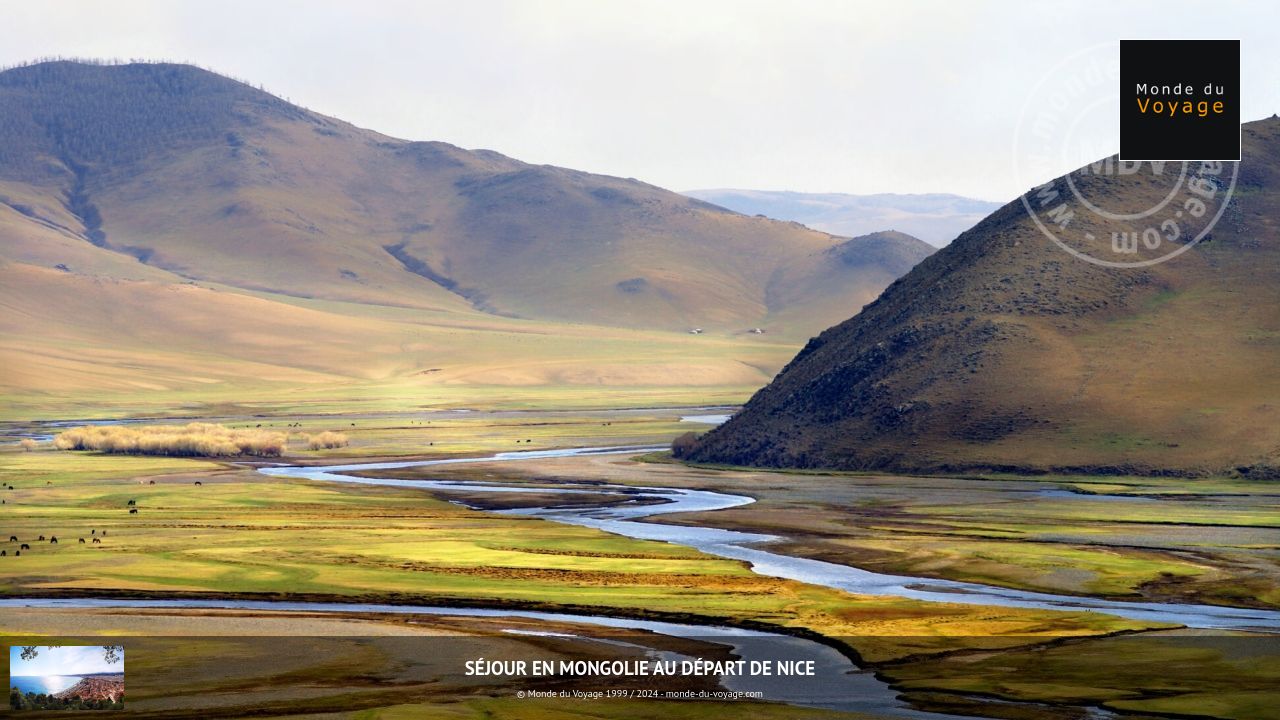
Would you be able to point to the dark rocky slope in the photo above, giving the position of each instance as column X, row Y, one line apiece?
column 1003, row 351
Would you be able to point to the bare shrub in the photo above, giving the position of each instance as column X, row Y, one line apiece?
column 191, row 440
column 27, row 444
column 681, row 446
column 327, row 441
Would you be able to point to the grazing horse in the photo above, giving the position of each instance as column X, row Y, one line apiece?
column 199, row 483
column 133, row 502
column 13, row 538
column 81, row 541
column 93, row 532
column 41, row 538
column 53, row 540
column 24, row 546
column 133, row 511
column 104, row 533
column 3, row 553
column 16, row 553
column 96, row 541
column 151, row 482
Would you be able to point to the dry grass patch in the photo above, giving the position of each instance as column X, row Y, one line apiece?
column 327, row 441
column 191, row 440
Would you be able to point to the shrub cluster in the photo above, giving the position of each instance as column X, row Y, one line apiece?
column 326, row 441
column 191, row 440
column 683, row 445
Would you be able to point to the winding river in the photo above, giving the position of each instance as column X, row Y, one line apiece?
column 625, row 519
column 838, row 684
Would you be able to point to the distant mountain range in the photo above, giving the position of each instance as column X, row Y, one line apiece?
column 935, row 218
column 1004, row 352
column 165, row 206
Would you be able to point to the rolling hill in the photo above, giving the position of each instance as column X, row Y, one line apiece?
column 1003, row 352
column 936, row 218
column 206, row 178
column 163, row 227
column 849, row 270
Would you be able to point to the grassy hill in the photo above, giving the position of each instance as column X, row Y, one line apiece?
column 74, row 345
column 166, row 229
column 855, row 271
column 1002, row 351
column 209, row 179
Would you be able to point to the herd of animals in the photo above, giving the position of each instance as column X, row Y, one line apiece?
column 53, row 539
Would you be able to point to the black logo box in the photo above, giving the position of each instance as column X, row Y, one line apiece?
column 1179, row 65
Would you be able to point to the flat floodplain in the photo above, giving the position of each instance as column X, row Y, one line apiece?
column 242, row 534
column 1213, row 540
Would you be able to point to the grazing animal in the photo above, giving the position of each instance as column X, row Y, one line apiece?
column 81, row 541
column 24, row 546
column 13, row 538
column 104, row 533
column 3, row 553
column 10, row 487
column 199, row 483
column 48, row 482
column 133, row 511
column 53, row 540
column 96, row 541
column 93, row 532
column 133, row 502
column 151, row 482
column 41, row 538
column 16, row 553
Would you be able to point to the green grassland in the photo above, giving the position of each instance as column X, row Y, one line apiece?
column 240, row 533
column 436, row 432
column 1215, row 540
column 1181, row 674
column 243, row 534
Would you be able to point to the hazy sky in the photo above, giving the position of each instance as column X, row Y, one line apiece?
column 65, row 660
column 846, row 96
